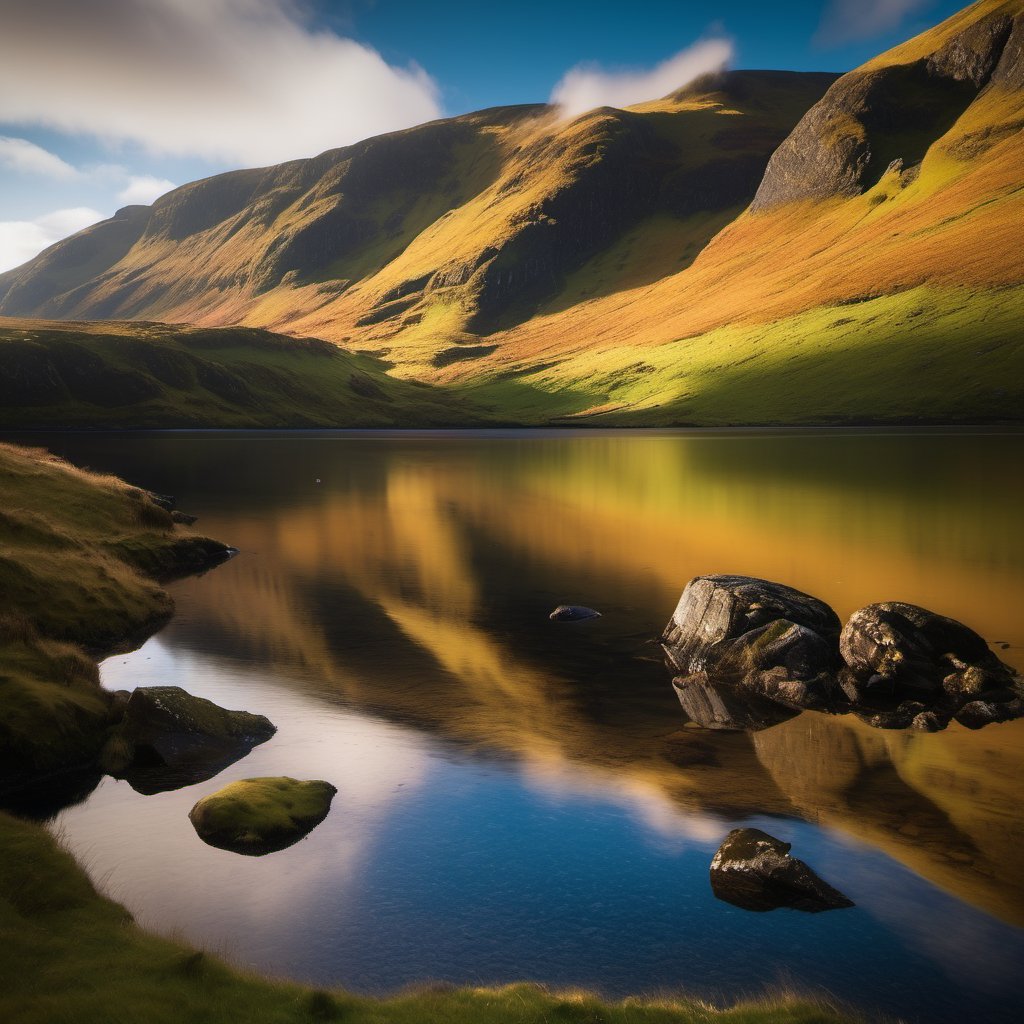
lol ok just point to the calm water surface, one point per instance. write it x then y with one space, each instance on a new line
525 800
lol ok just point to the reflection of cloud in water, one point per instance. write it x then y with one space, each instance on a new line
562 781
143 850
965 934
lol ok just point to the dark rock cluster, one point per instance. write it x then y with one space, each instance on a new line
748 653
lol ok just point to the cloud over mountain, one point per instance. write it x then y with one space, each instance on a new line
27 158
586 87
20 240
248 81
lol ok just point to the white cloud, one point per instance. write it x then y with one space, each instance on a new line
241 80
28 158
20 240
586 87
844 21
144 189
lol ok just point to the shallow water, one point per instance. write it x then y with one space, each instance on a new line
524 799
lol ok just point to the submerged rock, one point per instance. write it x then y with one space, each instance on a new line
573 613
169 738
259 816
754 870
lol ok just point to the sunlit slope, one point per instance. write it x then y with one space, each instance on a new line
137 374
415 243
761 247
885 242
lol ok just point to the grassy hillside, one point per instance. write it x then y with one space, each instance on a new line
153 375
762 247
414 244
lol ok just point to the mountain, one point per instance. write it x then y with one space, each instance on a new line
757 247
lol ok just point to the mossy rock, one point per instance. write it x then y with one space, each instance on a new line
258 816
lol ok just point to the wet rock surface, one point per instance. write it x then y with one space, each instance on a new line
754 870
169 738
744 649
901 648
260 816
715 609
573 613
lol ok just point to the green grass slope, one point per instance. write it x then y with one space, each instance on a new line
153 375
922 356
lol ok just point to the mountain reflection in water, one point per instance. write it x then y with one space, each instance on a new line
412 584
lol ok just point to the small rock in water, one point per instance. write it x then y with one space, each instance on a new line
260 816
754 870
573 613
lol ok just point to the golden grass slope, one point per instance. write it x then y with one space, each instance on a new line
412 243
612 267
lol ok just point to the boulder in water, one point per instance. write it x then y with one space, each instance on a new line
260 816
168 738
754 870
893 648
762 637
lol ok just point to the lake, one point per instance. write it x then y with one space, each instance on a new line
522 799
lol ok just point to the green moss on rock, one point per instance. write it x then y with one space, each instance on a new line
258 816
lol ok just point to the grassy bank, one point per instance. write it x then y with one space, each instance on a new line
70 955
81 557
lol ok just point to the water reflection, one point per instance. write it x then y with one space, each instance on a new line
411 587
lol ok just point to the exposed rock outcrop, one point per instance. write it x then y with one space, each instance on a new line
876 116
754 870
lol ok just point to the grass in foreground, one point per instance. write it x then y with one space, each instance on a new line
926 355
71 955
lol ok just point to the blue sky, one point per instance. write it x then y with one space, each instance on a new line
115 101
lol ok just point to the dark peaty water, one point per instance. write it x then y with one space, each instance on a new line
522 799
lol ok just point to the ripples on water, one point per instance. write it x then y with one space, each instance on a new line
523 799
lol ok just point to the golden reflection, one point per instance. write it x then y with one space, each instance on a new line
419 551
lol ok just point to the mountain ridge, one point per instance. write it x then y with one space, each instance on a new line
625 264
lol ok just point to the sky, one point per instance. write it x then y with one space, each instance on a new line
105 103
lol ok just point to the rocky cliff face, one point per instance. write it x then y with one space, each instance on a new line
882 117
